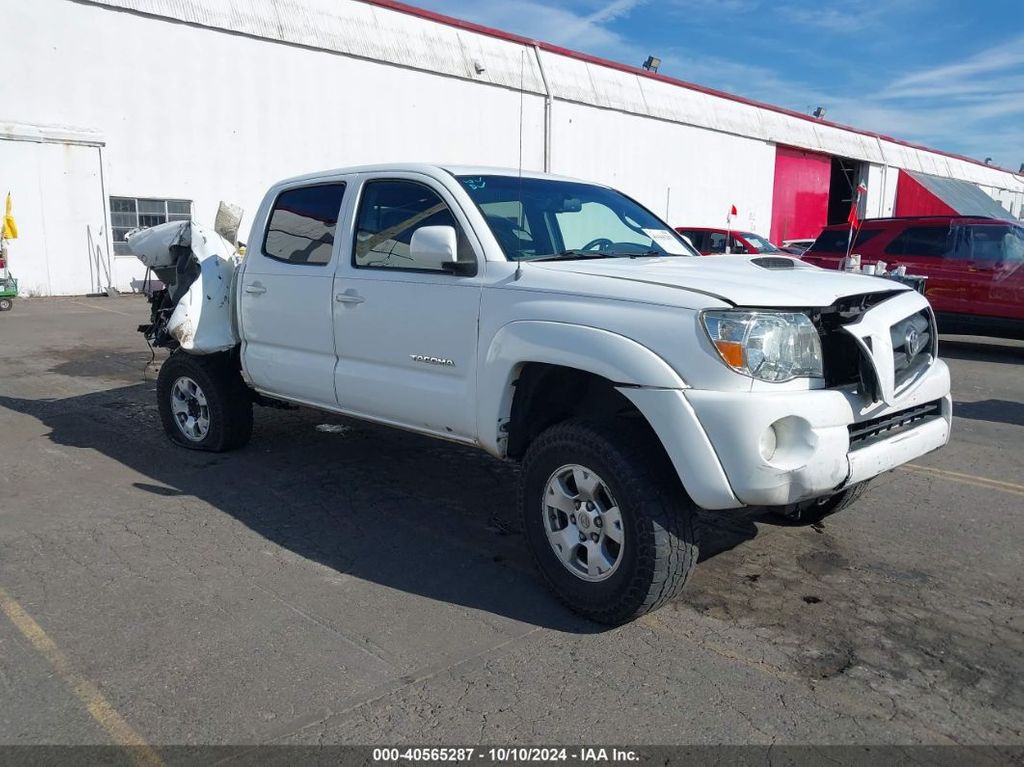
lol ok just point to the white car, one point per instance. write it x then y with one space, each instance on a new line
559 324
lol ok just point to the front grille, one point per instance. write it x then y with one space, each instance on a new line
842 358
911 346
868 432
846 363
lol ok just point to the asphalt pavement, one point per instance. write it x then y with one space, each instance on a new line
339 582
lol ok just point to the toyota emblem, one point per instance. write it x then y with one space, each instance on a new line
912 343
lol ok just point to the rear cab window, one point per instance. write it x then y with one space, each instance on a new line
696 238
716 242
302 224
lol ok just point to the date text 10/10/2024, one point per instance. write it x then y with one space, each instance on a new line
504 754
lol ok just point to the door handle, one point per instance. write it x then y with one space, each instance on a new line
255 289
349 297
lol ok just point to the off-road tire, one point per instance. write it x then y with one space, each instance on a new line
228 399
660 548
6 304
810 512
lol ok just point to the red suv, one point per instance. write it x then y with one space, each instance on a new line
713 241
974 266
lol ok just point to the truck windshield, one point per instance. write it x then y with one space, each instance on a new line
537 219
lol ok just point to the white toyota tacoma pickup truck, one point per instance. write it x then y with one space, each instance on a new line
559 324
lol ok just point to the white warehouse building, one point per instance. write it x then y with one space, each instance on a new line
123 113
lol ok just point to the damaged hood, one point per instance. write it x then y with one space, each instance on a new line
197 267
763 281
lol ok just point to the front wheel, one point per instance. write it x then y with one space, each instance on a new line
609 526
6 304
203 402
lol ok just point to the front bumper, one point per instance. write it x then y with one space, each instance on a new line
715 439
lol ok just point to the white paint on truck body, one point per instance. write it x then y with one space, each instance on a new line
355 340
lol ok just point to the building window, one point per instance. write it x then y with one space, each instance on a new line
127 213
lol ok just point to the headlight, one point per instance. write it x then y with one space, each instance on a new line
771 346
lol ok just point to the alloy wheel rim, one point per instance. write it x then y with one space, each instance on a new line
190 409
583 523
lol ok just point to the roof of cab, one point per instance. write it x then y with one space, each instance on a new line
428 169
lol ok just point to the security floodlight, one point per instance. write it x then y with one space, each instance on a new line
652 63
819 113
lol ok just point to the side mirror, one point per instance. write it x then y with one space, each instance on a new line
432 247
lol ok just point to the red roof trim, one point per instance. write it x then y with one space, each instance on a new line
469 26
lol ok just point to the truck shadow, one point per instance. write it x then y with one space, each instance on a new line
992 350
388 507
992 410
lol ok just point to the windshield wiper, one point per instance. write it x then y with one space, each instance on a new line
568 255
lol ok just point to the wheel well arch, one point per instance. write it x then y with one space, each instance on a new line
546 394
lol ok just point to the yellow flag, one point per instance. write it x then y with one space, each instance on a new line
10 225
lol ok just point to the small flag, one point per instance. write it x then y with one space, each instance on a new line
10 225
733 211
853 219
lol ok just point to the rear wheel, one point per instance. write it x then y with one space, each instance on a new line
609 526
203 402
6 304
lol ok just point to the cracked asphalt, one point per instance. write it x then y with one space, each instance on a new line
362 585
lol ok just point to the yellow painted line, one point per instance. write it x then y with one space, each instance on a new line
100 308
968 479
98 707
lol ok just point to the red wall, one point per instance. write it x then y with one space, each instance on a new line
912 199
800 199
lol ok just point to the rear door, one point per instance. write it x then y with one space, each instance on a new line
996 286
937 251
286 295
407 334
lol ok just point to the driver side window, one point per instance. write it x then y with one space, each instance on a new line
389 213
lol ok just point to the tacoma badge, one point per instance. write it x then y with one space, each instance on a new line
442 361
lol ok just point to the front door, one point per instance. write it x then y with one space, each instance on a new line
936 251
406 332
997 270
286 300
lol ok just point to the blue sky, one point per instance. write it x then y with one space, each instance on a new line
945 73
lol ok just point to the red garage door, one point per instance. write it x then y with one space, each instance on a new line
800 199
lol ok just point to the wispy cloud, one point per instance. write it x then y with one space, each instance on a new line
996 70
571 25
854 59
971 98
830 18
